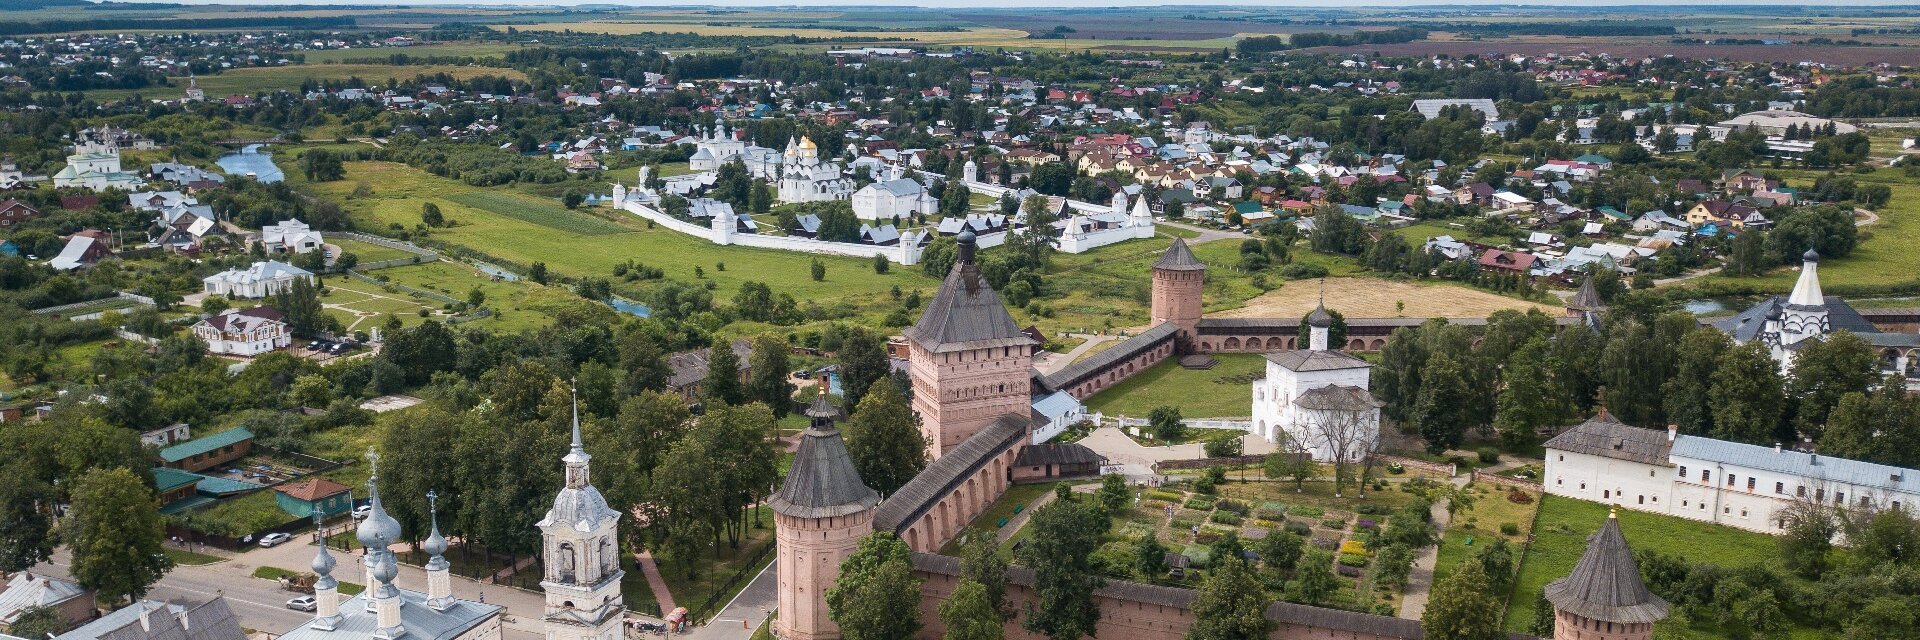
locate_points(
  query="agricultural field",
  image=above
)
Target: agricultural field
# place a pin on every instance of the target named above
(444, 49)
(498, 225)
(1220, 392)
(254, 80)
(1379, 298)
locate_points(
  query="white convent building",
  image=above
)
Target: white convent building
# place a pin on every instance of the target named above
(1730, 483)
(893, 198)
(1316, 399)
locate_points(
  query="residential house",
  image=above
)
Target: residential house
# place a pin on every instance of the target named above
(14, 212)
(207, 452)
(688, 369)
(84, 248)
(182, 491)
(263, 279)
(304, 498)
(73, 603)
(292, 236)
(1512, 262)
(245, 333)
(1720, 212)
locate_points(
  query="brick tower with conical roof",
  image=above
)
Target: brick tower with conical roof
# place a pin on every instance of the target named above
(970, 363)
(1178, 278)
(1604, 598)
(821, 512)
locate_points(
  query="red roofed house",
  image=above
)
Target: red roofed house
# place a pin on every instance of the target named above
(245, 333)
(1507, 261)
(305, 497)
(13, 212)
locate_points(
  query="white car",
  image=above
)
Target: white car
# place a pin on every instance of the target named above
(274, 539)
(302, 603)
(362, 511)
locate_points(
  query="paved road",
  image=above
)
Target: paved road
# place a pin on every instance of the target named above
(739, 618)
(1136, 460)
(1206, 235)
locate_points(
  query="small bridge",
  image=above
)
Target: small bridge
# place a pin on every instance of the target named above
(242, 143)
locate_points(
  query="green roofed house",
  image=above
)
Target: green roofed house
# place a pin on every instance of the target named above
(305, 497)
(206, 452)
(182, 491)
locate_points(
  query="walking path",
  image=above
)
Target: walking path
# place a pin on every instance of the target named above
(1055, 363)
(662, 596)
(1420, 580)
(1206, 235)
(1136, 460)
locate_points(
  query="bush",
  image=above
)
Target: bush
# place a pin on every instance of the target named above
(1369, 509)
(1334, 523)
(1353, 560)
(1204, 484)
(1199, 503)
(1516, 496)
(1235, 506)
(1299, 528)
(1488, 455)
(1303, 271)
(1307, 511)
(1509, 528)
(1223, 517)
(1396, 468)
(1270, 513)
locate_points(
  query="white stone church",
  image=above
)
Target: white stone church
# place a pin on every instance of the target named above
(1316, 399)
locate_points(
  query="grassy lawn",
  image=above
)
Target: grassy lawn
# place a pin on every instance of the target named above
(1885, 254)
(1560, 537)
(516, 304)
(276, 573)
(634, 589)
(187, 558)
(400, 190)
(712, 570)
(1019, 496)
(1480, 524)
(1218, 392)
(366, 252)
(542, 212)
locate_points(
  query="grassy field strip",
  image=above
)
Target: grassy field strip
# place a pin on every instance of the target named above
(1198, 394)
(544, 214)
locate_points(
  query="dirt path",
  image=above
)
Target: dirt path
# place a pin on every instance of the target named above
(1377, 298)
(1420, 580)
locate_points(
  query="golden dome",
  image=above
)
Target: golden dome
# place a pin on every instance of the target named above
(807, 143)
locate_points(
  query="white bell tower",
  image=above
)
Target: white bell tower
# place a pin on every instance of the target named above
(580, 539)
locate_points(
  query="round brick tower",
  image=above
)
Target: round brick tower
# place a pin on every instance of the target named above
(1178, 278)
(1604, 598)
(822, 511)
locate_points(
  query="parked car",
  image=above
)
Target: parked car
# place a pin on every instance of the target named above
(803, 374)
(362, 511)
(274, 539)
(313, 346)
(302, 603)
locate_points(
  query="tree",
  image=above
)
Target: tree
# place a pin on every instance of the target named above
(116, 534)
(1230, 605)
(819, 270)
(1113, 494)
(880, 264)
(1882, 426)
(981, 562)
(430, 215)
(723, 377)
(1059, 552)
(1440, 409)
(1810, 528)
(1825, 369)
(421, 351)
(1281, 549)
(26, 530)
(1313, 579)
(1295, 465)
(37, 621)
(1527, 399)
(1684, 395)
(769, 375)
(863, 362)
(1393, 565)
(300, 303)
(884, 440)
(968, 614)
(1497, 559)
(1462, 607)
(1747, 395)
(876, 585)
(1149, 558)
(1164, 422)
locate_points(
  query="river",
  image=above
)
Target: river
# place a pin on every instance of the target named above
(251, 160)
